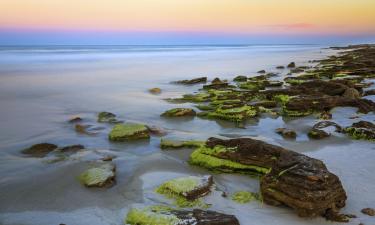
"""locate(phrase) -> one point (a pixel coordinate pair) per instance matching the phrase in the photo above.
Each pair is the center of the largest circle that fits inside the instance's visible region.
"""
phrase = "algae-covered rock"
(317, 134)
(291, 65)
(155, 91)
(280, 67)
(179, 112)
(290, 178)
(243, 197)
(286, 133)
(240, 78)
(192, 81)
(101, 175)
(361, 130)
(129, 131)
(107, 117)
(187, 191)
(237, 114)
(167, 144)
(368, 211)
(162, 215)
(39, 150)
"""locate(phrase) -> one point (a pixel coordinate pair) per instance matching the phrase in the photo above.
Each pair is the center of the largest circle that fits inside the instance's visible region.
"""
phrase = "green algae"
(164, 144)
(123, 132)
(177, 188)
(207, 158)
(152, 216)
(244, 197)
(283, 99)
(178, 112)
(252, 85)
(205, 107)
(295, 113)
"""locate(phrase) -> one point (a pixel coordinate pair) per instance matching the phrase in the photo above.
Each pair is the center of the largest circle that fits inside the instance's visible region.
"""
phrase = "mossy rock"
(152, 216)
(165, 144)
(187, 191)
(361, 130)
(102, 175)
(240, 79)
(208, 158)
(124, 132)
(39, 150)
(237, 114)
(179, 112)
(107, 117)
(317, 134)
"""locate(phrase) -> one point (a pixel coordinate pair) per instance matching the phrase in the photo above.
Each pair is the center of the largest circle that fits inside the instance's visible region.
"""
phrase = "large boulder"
(289, 178)
(162, 215)
(129, 131)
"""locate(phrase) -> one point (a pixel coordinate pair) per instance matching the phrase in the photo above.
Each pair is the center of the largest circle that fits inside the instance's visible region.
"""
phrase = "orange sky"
(232, 16)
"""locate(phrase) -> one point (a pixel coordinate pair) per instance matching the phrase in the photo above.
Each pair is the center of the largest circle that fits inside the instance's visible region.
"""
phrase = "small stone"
(368, 211)
(101, 175)
(107, 117)
(317, 134)
(179, 112)
(155, 91)
(286, 133)
(291, 65)
(39, 150)
(261, 71)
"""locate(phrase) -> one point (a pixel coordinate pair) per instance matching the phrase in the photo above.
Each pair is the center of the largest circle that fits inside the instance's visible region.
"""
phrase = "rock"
(83, 129)
(124, 132)
(286, 133)
(325, 124)
(155, 91)
(179, 112)
(240, 79)
(361, 130)
(325, 115)
(296, 70)
(291, 65)
(168, 144)
(317, 134)
(217, 84)
(351, 93)
(100, 175)
(261, 71)
(280, 67)
(157, 131)
(107, 117)
(289, 178)
(155, 215)
(265, 104)
(192, 81)
(243, 197)
(75, 119)
(39, 150)
(369, 92)
(236, 114)
(368, 211)
(187, 191)
(71, 148)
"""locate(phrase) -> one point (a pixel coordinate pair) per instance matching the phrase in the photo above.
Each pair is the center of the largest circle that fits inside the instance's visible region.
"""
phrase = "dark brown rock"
(317, 134)
(361, 130)
(369, 92)
(286, 133)
(368, 211)
(261, 71)
(192, 81)
(280, 67)
(295, 180)
(71, 148)
(39, 150)
(291, 65)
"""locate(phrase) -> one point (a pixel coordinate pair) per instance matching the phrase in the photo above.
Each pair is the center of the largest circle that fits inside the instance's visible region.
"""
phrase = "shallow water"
(42, 87)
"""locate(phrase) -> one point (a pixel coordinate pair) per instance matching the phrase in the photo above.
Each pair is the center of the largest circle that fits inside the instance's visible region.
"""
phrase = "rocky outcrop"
(169, 216)
(290, 178)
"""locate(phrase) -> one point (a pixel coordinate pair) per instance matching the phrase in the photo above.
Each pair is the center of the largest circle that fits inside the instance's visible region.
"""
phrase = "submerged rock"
(280, 67)
(71, 148)
(84, 129)
(317, 134)
(286, 133)
(192, 81)
(368, 211)
(75, 119)
(240, 78)
(155, 91)
(290, 178)
(165, 144)
(39, 150)
(361, 130)
(157, 131)
(107, 117)
(101, 175)
(128, 131)
(187, 191)
(243, 197)
(261, 71)
(163, 215)
(179, 112)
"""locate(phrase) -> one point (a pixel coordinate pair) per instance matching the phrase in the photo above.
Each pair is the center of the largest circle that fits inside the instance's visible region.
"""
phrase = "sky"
(185, 21)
